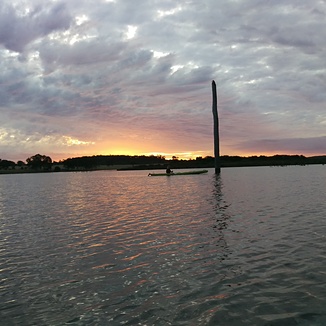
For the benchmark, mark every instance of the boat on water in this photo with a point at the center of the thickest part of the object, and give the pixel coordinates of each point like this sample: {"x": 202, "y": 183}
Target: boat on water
{"x": 177, "y": 173}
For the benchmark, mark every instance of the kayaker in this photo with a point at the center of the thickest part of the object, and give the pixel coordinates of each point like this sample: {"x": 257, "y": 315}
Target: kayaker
{"x": 168, "y": 170}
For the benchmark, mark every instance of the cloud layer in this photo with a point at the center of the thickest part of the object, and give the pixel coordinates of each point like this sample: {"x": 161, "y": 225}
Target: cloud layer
{"x": 134, "y": 77}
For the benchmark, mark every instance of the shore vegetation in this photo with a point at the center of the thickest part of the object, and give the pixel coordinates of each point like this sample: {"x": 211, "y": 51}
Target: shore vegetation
{"x": 44, "y": 163}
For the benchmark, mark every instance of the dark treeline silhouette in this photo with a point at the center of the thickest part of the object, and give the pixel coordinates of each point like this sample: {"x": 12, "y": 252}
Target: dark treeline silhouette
{"x": 263, "y": 160}
{"x": 238, "y": 161}
{"x": 43, "y": 163}
{"x": 36, "y": 162}
{"x": 5, "y": 164}
{"x": 90, "y": 162}
{"x": 126, "y": 162}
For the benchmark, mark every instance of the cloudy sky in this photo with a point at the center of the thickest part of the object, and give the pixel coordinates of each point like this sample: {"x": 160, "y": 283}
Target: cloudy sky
{"x": 87, "y": 77}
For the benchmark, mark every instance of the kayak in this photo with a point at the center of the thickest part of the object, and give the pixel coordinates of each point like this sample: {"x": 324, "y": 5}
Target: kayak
{"x": 177, "y": 173}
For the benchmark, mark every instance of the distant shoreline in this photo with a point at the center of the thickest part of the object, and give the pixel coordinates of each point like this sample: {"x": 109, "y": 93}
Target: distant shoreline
{"x": 228, "y": 162}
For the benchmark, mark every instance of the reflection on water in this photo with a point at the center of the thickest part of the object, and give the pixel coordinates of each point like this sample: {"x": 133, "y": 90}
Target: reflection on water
{"x": 113, "y": 248}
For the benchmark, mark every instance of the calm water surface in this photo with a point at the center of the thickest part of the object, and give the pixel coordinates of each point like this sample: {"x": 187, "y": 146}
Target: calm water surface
{"x": 121, "y": 248}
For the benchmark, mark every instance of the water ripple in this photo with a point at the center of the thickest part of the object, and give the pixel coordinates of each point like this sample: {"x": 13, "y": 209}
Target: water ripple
{"x": 122, "y": 249}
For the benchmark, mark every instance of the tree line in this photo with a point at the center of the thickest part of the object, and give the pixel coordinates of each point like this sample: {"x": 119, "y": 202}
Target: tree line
{"x": 36, "y": 162}
{"x": 45, "y": 163}
{"x": 40, "y": 162}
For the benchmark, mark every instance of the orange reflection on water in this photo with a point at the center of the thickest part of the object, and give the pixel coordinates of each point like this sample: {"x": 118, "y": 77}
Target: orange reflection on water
{"x": 132, "y": 257}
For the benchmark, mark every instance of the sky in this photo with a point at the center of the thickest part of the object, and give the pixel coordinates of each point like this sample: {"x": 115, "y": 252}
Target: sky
{"x": 101, "y": 77}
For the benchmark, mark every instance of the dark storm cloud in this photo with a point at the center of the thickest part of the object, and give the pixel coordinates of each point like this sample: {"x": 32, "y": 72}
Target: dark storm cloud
{"x": 16, "y": 31}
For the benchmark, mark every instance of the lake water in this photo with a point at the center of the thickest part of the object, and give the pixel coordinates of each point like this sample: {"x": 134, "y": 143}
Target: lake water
{"x": 121, "y": 248}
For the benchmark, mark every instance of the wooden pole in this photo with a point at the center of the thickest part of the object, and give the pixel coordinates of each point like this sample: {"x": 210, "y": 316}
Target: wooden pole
{"x": 216, "y": 131}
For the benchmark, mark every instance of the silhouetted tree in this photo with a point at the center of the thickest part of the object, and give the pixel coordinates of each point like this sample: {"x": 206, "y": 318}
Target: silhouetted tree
{"x": 39, "y": 162}
{"x": 21, "y": 164}
{"x": 5, "y": 164}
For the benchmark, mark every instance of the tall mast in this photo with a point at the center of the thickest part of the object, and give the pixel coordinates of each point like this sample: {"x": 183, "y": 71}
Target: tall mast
{"x": 216, "y": 131}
